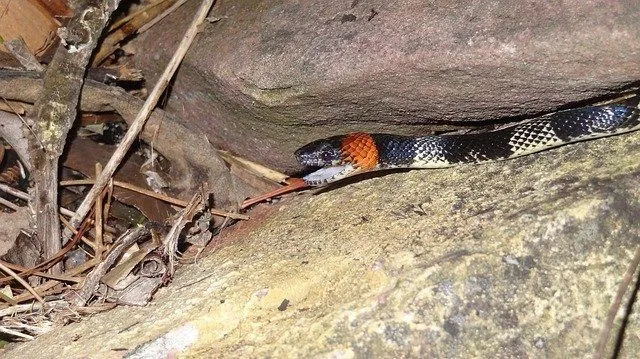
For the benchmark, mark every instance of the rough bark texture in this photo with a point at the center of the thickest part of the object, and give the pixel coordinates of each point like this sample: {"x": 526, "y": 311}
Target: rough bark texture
{"x": 190, "y": 165}
{"x": 504, "y": 260}
{"x": 272, "y": 75}
{"x": 11, "y": 130}
{"x": 56, "y": 109}
{"x": 81, "y": 296}
{"x": 44, "y": 200}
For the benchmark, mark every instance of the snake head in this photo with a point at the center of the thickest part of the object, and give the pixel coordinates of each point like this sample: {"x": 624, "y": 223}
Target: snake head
{"x": 340, "y": 157}
{"x": 321, "y": 153}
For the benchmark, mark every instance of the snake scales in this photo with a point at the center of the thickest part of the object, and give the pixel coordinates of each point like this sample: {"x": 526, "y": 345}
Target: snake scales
{"x": 346, "y": 155}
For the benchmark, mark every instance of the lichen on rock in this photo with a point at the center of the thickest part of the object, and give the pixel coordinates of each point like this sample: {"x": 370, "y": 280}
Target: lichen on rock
{"x": 507, "y": 259}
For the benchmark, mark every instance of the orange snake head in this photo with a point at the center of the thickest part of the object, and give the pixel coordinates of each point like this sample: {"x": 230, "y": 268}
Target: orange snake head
{"x": 341, "y": 156}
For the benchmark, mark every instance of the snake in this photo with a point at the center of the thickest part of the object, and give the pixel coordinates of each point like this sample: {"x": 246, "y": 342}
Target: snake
{"x": 343, "y": 156}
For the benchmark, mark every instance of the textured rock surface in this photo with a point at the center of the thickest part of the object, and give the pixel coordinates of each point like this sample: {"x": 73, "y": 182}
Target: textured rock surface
{"x": 272, "y": 75}
{"x": 513, "y": 259}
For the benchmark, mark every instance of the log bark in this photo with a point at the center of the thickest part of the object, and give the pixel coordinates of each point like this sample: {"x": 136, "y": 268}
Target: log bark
{"x": 193, "y": 159}
{"x": 55, "y": 111}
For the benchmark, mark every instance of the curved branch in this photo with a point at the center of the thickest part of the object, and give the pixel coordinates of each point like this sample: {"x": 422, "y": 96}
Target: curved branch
{"x": 192, "y": 163}
{"x": 11, "y": 131}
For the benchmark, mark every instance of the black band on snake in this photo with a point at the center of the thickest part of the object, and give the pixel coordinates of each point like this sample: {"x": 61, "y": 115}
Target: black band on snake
{"x": 343, "y": 156}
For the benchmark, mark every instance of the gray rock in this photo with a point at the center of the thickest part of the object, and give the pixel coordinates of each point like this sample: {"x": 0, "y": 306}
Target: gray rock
{"x": 512, "y": 259}
{"x": 269, "y": 76}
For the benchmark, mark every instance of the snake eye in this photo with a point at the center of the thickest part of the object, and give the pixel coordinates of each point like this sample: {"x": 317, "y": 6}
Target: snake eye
{"x": 330, "y": 155}
{"x": 327, "y": 156}
{"x": 324, "y": 152}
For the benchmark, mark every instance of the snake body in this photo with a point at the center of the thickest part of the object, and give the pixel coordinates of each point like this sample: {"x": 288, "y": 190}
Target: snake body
{"x": 346, "y": 155}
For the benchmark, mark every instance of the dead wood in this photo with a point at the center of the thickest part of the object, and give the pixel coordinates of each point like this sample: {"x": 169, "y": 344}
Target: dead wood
{"x": 141, "y": 117}
{"x": 19, "y": 50}
{"x": 92, "y": 280}
{"x": 193, "y": 159}
{"x": 55, "y": 111}
{"x": 11, "y": 129}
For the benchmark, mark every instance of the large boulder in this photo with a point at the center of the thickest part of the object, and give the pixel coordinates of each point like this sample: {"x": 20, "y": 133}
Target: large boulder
{"x": 505, "y": 260}
{"x": 269, "y": 76}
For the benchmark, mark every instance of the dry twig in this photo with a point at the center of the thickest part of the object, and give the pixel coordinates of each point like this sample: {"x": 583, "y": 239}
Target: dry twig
{"x": 67, "y": 212}
{"x": 14, "y": 133}
{"x": 57, "y": 257}
{"x": 20, "y": 268}
{"x": 16, "y": 333}
{"x": 107, "y": 206}
{"x": 22, "y": 308}
{"x": 9, "y": 204}
{"x": 84, "y": 239}
{"x": 21, "y": 281}
{"x": 192, "y": 162}
{"x": 170, "y": 241}
{"x": 160, "y": 196}
{"x": 129, "y": 26}
{"x": 607, "y": 328}
{"x": 46, "y": 287}
{"x": 20, "y": 51}
{"x": 98, "y": 244}
{"x": 82, "y": 296}
{"x": 25, "y": 196}
{"x": 56, "y": 109}
{"x": 253, "y": 167}
{"x": 156, "y": 19}
{"x": 293, "y": 184}
{"x": 143, "y": 115}
{"x": 129, "y": 186}
{"x": 14, "y": 107}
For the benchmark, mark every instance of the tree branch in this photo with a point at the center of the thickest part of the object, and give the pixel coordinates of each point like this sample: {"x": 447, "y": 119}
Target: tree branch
{"x": 190, "y": 163}
{"x": 56, "y": 109}
{"x": 11, "y": 129}
{"x": 141, "y": 118}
